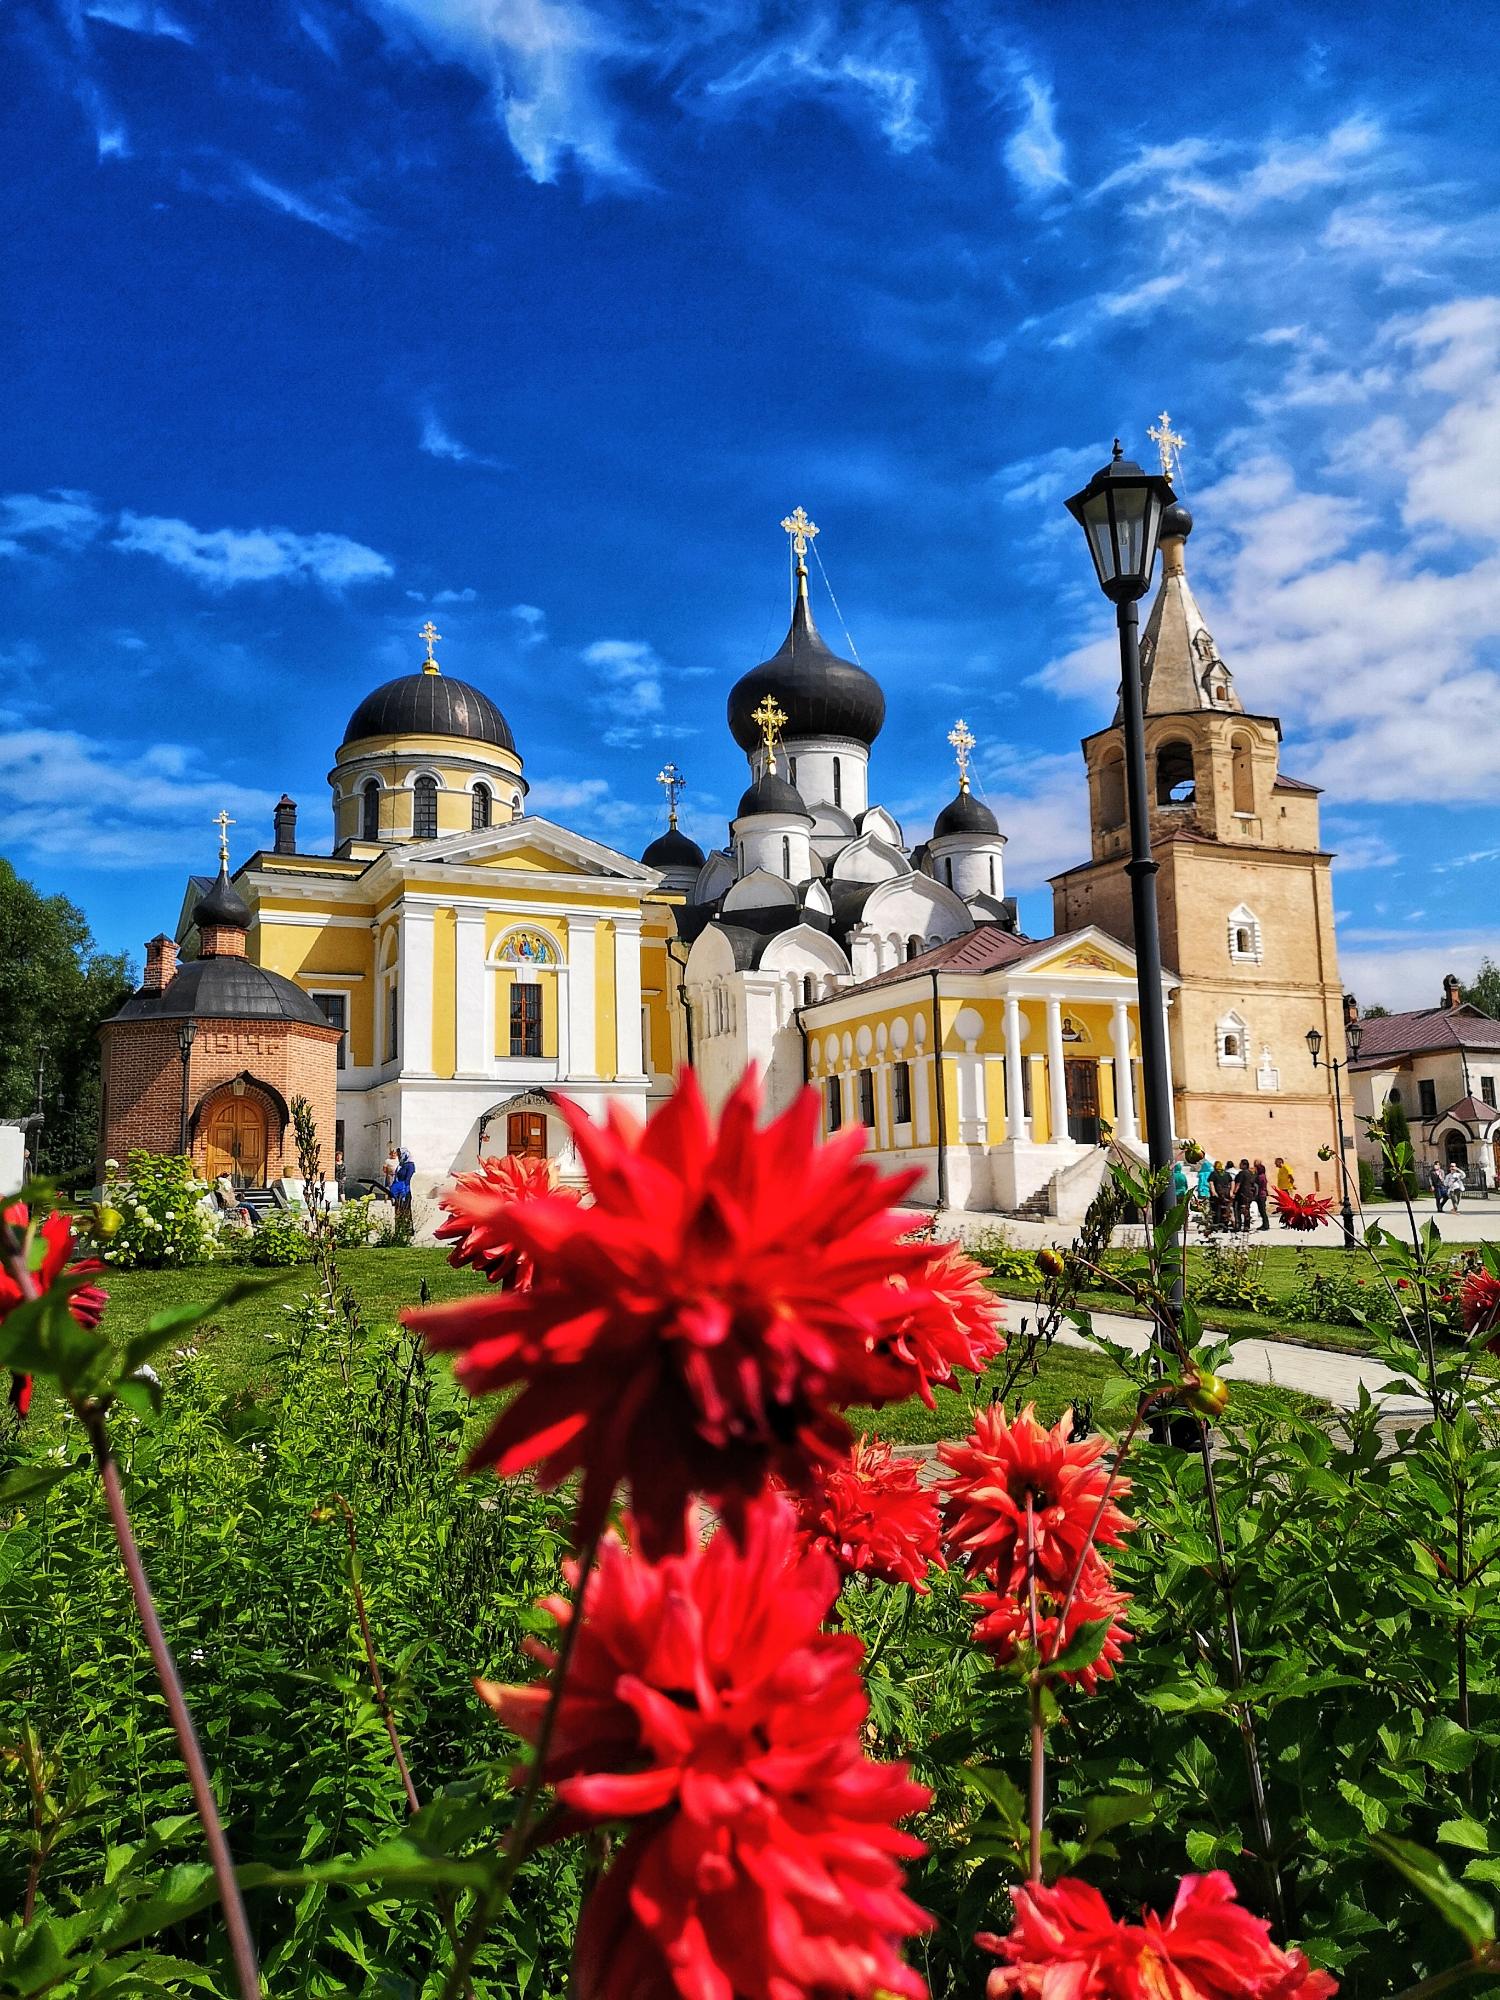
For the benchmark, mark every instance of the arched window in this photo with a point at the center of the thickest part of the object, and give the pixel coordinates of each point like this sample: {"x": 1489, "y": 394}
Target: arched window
{"x": 809, "y": 989}
{"x": 1244, "y": 776}
{"x": 483, "y": 807}
{"x": 992, "y": 874}
{"x": 791, "y": 772}
{"x": 1174, "y": 775}
{"x": 424, "y": 809}
{"x": 1245, "y": 946}
{"x": 1230, "y": 1035}
{"x": 786, "y": 856}
{"x": 1112, "y": 792}
{"x": 913, "y": 946}
{"x": 369, "y": 818}
{"x": 838, "y": 781}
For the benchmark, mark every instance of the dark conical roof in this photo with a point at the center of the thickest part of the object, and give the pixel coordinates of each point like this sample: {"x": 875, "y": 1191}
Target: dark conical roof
{"x": 770, "y": 794}
{"x": 821, "y": 694}
{"x": 965, "y": 814}
{"x": 430, "y": 705}
{"x": 223, "y": 908}
{"x": 673, "y": 849}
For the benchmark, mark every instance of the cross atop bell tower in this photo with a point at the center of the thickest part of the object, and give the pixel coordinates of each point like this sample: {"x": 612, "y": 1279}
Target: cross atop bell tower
{"x": 672, "y": 782}
{"x": 430, "y": 635}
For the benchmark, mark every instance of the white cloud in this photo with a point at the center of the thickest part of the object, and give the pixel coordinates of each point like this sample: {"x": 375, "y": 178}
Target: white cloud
{"x": 882, "y": 70}
{"x": 61, "y": 519}
{"x": 1046, "y": 477}
{"x": 532, "y": 621}
{"x": 333, "y": 213}
{"x": 1281, "y": 171}
{"x": 139, "y": 17}
{"x": 1034, "y": 152}
{"x": 223, "y": 557}
{"x": 628, "y": 692}
{"x": 439, "y": 442}
{"x": 586, "y": 804}
{"x": 71, "y": 798}
{"x": 1407, "y": 972}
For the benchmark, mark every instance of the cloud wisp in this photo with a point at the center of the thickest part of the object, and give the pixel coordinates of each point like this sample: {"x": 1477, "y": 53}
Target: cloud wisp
{"x": 222, "y": 558}
{"x": 439, "y": 442}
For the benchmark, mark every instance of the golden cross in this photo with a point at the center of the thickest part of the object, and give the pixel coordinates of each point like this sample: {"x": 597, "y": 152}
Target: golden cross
{"x": 431, "y": 634}
{"x": 1168, "y": 444}
{"x": 223, "y": 822}
{"x": 962, "y": 739}
{"x": 772, "y": 719}
{"x": 801, "y": 530}
{"x": 672, "y": 782}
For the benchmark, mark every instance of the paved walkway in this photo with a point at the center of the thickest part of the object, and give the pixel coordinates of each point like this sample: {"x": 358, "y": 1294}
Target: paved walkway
{"x": 1312, "y": 1371}
{"x": 1476, "y": 1222}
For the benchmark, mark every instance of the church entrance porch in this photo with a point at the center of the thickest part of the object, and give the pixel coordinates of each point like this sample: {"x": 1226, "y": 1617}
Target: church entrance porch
{"x": 234, "y": 1142}
{"x": 526, "y": 1135}
{"x": 1082, "y": 1092}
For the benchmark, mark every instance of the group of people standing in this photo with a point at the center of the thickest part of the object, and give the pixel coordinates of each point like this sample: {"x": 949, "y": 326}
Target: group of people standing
{"x": 1226, "y": 1196}
{"x": 1448, "y": 1185}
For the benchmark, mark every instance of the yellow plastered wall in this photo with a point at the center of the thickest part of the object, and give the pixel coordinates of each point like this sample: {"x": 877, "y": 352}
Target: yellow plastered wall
{"x": 657, "y": 975}
{"x": 444, "y": 993}
{"x": 606, "y": 1040}
{"x": 319, "y": 958}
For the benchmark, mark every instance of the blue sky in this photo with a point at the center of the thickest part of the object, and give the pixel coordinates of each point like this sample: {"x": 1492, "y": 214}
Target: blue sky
{"x": 535, "y": 316}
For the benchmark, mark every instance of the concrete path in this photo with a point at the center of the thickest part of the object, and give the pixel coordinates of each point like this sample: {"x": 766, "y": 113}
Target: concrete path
{"x": 1476, "y": 1222}
{"x": 1311, "y": 1371}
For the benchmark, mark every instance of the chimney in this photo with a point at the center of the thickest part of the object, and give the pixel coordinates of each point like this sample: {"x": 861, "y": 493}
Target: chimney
{"x": 286, "y": 826}
{"x": 161, "y": 963}
{"x": 1452, "y": 992}
{"x": 1351, "y": 1009}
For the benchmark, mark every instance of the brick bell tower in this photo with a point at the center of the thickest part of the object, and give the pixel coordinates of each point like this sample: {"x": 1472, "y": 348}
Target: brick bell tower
{"x": 1246, "y": 903}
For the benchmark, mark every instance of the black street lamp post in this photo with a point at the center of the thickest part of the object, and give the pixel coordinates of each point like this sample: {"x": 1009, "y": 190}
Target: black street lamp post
{"x": 1120, "y": 512}
{"x": 186, "y": 1030}
{"x": 1353, "y": 1035}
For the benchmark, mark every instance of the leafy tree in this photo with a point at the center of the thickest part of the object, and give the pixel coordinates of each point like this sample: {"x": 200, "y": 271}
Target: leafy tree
{"x": 55, "y": 989}
{"x": 1398, "y": 1136}
{"x": 1376, "y": 1013}
{"x": 1485, "y": 992}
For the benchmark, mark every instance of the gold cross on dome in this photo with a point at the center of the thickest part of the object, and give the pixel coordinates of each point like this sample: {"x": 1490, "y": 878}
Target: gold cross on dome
{"x": 431, "y": 634}
{"x": 1168, "y": 444}
{"x": 672, "y": 782}
{"x": 801, "y": 530}
{"x": 962, "y": 739}
{"x": 772, "y": 719}
{"x": 223, "y": 822}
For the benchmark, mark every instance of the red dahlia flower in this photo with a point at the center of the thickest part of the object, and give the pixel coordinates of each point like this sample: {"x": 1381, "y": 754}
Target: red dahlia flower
{"x": 1067, "y": 1946}
{"x": 55, "y": 1236}
{"x": 1001, "y": 1466}
{"x": 1006, "y": 1624}
{"x": 1301, "y": 1211}
{"x": 705, "y": 1706}
{"x": 476, "y": 1202}
{"x": 956, "y": 1326}
{"x": 695, "y": 1328}
{"x": 875, "y": 1518}
{"x": 1479, "y": 1300}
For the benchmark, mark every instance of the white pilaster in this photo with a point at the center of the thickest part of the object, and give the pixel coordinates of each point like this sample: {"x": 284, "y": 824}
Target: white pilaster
{"x": 1057, "y": 1083}
{"x": 416, "y": 992}
{"x": 882, "y": 1105}
{"x": 1125, "y": 1118}
{"x": 629, "y": 1055}
{"x": 1017, "y": 1124}
{"x": 921, "y": 1104}
{"x": 473, "y": 997}
{"x": 582, "y": 938}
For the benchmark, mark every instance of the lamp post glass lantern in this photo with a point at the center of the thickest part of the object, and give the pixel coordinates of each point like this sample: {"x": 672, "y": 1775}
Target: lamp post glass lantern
{"x": 1120, "y": 513}
{"x": 186, "y": 1031}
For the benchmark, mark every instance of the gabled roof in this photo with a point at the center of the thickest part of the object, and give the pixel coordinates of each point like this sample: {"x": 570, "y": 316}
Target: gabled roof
{"x": 1285, "y": 784}
{"x": 1468, "y": 1111}
{"x": 1387, "y": 1038}
{"x": 984, "y": 949}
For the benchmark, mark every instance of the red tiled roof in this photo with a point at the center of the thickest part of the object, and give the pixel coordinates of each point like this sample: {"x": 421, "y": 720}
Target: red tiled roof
{"x": 986, "y": 948}
{"x": 1469, "y": 1111}
{"x": 1388, "y": 1036}
{"x": 1285, "y": 784}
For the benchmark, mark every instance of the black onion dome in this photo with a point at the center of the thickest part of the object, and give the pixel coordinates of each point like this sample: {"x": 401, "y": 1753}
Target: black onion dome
{"x": 820, "y": 694}
{"x": 966, "y": 814}
{"x": 673, "y": 849}
{"x": 770, "y": 794}
{"x": 225, "y": 989}
{"x": 223, "y": 907}
{"x": 1175, "y": 520}
{"x": 430, "y": 705}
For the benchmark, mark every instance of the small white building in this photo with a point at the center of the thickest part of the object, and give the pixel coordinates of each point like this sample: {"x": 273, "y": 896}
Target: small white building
{"x": 1442, "y": 1066}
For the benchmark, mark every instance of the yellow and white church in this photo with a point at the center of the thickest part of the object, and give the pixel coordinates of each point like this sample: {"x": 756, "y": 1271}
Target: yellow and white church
{"x": 480, "y": 962}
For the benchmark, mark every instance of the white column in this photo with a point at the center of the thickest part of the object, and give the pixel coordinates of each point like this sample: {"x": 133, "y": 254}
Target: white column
{"x": 1056, "y": 1081}
{"x": 629, "y": 1056}
{"x": 921, "y": 1109}
{"x": 881, "y": 1071}
{"x": 1166, "y": 1049}
{"x": 1125, "y": 1118}
{"x": 416, "y": 992}
{"x": 582, "y": 1059}
{"x": 1017, "y": 1124}
{"x": 472, "y": 997}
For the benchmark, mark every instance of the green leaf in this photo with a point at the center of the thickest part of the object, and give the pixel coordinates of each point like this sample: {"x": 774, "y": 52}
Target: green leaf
{"x": 1085, "y": 1646}
{"x": 1445, "y": 1746}
{"x": 1103, "y": 1814}
{"x": 1001, "y": 1792}
{"x": 1459, "y": 1907}
{"x": 1465, "y": 1832}
{"x": 27, "y": 1482}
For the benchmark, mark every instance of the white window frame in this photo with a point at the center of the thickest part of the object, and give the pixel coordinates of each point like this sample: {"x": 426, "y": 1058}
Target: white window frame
{"x": 1245, "y": 919}
{"x": 1227, "y": 1025}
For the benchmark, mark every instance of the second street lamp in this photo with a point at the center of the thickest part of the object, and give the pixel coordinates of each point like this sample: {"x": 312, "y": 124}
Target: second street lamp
{"x": 1120, "y": 512}
{"x": 186, "y": 1031}
{"x": 1353, "y": 1036}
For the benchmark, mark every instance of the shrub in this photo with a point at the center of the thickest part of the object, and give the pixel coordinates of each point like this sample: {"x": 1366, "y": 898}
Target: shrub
{"x": 1369, "y": 1184}
{"x": 1228, "y": 1275}
{"x": 352, "y": 1222}
{"x": 1001, "y": 1258}
{"x": 278, "y": 1242}
{"x": 1338, "y": 1297}
{"x": 164, "y": 1219}
{"x": 1398, "y": 1175}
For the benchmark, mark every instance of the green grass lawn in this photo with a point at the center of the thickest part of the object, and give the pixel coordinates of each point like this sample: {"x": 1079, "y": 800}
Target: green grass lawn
{"x": 243, "y": 1340}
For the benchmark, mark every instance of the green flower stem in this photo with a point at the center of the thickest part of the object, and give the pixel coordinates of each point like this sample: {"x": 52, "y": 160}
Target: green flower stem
{"x": 491, "y": 1901}
{"x": 91, "y": 1415}
{"x": 1038, "y": 1800}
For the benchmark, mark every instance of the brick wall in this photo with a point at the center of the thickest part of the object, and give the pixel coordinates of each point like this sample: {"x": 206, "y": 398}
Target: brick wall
{"x": 143, "y": 1083}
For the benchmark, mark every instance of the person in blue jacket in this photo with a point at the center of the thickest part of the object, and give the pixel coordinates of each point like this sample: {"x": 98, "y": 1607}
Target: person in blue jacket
{"x": 406, "y": 1166}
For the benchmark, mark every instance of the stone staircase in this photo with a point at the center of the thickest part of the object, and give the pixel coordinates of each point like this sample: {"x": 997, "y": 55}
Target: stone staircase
{"x": 260, "y": 1202}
